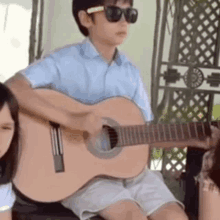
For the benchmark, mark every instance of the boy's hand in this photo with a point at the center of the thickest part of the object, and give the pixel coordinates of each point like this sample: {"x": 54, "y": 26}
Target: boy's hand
{"x": 210, "y": 142}
{"x": 88, "y": 122}
{"x": 207, "y": 144}
{"x": 93, "y": 124}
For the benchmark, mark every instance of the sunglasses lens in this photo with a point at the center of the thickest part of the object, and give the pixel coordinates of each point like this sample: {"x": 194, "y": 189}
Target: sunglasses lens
{"x": 113, "y": 14}
{"x": 131, "y": 15}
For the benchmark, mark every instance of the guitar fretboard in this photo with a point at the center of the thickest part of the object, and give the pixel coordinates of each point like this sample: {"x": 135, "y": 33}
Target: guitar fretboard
{"x": 146, "y": 134}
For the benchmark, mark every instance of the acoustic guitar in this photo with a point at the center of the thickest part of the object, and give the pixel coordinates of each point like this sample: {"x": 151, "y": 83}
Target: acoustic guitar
{"x": 55, "y": 162}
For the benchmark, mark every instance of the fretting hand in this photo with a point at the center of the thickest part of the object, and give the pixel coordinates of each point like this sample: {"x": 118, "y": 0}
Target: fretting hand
{"x": 207, "y": 144}
{"x": 210, "y": 142}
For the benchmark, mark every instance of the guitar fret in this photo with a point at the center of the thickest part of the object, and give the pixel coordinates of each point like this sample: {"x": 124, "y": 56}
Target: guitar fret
{"x": 178, "y": 132}
{"x": 126, "y": 135}
{"x": 158, "y": 130}
{"x": 170, "y": 133}
{"x": 189, "y": 131}
{"x": 120, "y": 131}
{"x": 177, "y": 138}
{"x": 134, "y": 136}
{"x": 197, "y": 135}
{"x": 156, "y": 133}
{"x": 129, "y": 135}
{"x": 173, "y": 131}
{"x": 162, "y": 135}
{"x": 169, "y": 139}
{"x": 142, "y": 133}
{"x": 165, "y": 138}
{"x": 121, "y": 135}
{"x": 139, "y": 135}
{"x": 130, "y": 139}
{"x": 149, "y": 135}
{"x": 153, "y": 132}
{"x": 183, "y": 136}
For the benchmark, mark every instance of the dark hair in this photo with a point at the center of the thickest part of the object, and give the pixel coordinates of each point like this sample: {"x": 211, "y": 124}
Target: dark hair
{"x": 78, "y": 5}
{"x": 215, "y": 169}
{"x": 8, "y": 163}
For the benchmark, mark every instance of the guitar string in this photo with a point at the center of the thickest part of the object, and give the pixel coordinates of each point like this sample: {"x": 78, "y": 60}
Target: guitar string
{"x": 152, "y": 129}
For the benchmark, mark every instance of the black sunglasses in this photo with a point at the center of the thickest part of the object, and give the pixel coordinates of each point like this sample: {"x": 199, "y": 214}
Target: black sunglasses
{"x": 113, "y": 13}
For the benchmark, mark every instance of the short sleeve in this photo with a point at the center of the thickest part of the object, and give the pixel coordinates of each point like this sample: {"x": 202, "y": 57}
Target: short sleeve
{"x": 142, "y": 100}
{"x": 42, "y": 73}
{"x": 7, "y": 197}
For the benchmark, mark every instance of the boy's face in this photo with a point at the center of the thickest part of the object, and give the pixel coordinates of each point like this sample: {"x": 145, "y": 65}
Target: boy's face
{"x": 109, "y": 33}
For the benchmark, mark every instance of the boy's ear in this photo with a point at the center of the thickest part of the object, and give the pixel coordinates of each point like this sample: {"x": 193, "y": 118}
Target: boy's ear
{"x": 85, "y": 19}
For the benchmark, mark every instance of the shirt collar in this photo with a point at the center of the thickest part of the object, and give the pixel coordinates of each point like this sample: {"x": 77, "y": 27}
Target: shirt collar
{"x": 91, "y": 52}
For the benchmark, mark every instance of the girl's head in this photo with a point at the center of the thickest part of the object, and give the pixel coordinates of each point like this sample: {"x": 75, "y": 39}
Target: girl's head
{"x": 8, "y": 134}
{"x": 83, "y": 5}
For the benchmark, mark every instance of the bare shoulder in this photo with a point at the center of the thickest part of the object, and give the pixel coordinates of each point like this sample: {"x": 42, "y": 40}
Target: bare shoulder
{"x": 6, "y": 215}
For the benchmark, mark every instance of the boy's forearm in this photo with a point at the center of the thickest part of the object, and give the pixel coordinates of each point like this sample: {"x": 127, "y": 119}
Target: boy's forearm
{"x": 32, "y": 103}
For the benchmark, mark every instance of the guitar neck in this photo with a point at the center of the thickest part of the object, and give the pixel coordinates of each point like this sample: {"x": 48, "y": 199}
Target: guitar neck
{"x": 152, "y": 133}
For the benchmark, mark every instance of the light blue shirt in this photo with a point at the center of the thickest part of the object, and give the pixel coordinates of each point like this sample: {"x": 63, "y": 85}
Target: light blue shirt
{"x": 7, "y": 197}
{"x": 80, "y": 72}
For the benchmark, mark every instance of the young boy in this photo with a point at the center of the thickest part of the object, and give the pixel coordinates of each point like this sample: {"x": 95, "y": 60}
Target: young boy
{"x": 91, "y": 71}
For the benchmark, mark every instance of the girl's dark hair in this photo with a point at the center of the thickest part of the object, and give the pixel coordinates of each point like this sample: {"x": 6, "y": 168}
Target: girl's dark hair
{"x": 214, "y": 172}
{"x": 8, "y": 163}
{"x": 78, "y": 5}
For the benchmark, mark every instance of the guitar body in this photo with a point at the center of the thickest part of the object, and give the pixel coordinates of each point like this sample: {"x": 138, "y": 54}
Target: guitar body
{"x": 36, "y": 176}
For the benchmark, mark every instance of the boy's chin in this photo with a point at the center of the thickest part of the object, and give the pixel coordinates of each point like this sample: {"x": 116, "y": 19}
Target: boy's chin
{"x": 119, "y": 41}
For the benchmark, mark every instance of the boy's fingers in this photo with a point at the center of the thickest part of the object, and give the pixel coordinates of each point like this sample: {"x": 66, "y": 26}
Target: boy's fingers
{"x": 215, "y": 136}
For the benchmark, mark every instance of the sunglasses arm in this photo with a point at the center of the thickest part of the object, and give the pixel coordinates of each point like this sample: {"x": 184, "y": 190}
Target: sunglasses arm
{"x": 95, "y": 9}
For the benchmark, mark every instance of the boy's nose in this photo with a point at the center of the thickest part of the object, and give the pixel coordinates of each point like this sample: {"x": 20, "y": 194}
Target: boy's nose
{"x": 123, "y": 17}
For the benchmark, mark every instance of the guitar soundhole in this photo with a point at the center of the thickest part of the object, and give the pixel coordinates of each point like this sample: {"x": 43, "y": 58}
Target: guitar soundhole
{"x": 111, "y": 137}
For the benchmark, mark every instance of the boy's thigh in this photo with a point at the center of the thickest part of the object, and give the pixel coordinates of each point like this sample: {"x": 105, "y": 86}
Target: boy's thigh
{"x": 129, "y": 210}
{"x": 169, "y": 211}
{"x": 151, "y": 193}
{"x": 123, "y": 210}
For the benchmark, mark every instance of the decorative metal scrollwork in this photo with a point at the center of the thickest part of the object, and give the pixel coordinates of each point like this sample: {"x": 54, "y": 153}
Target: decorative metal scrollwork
{"x": 171, "y": 75}
{"x": 193, "y": 78}
{"x": 214, "y": 79}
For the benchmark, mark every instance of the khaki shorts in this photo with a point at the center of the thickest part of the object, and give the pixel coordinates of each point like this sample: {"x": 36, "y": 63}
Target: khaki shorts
{"x": 148, "y": 190}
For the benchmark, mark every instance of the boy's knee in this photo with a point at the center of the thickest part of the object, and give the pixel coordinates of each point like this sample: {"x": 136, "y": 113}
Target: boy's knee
{"x": 169, "y": 211}
{"x": 123, "y": 210}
